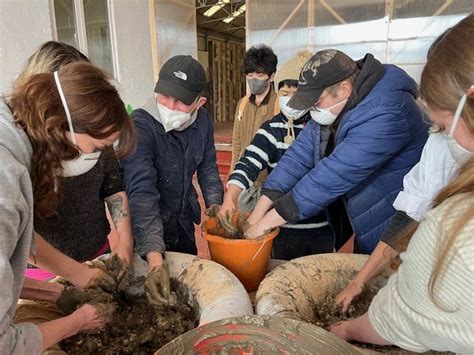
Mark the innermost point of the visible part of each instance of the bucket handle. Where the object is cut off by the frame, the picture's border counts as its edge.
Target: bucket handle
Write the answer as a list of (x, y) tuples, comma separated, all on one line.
[(253, 257)]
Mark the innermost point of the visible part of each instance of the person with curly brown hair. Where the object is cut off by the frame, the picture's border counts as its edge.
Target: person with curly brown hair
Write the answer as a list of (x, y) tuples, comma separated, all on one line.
[(51, 123), (80, 227)]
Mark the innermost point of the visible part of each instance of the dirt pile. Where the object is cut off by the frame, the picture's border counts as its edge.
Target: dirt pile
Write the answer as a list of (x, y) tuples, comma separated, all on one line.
[(137, 327), (328, 313)]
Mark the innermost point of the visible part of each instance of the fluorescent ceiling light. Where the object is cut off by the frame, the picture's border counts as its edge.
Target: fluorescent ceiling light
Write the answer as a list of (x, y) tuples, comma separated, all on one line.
[(213, 9), (236, 13)]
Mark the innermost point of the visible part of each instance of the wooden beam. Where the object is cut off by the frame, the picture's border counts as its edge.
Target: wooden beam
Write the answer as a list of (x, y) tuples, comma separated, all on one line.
[(332, 11), (153, 38), (389, 8), (311, 7), (247, 24), (443, 7), (288, 19), (177, 2)]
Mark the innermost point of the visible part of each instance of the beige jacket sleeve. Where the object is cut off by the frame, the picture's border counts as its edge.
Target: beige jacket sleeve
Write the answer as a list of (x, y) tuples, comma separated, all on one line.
[(236, 144)]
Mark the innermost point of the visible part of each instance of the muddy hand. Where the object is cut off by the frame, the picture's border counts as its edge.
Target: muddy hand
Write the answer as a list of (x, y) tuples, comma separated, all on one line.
[(70, 299), (94, 317), (101, 279), (225, 218), (226, 222), (157, 285), (105, 311), (212, 211), (254, 232), (345, 297), (119, 270)]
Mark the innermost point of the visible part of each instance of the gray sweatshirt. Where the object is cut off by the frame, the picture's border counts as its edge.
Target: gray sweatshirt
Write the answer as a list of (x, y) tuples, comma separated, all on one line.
[(16, 234)]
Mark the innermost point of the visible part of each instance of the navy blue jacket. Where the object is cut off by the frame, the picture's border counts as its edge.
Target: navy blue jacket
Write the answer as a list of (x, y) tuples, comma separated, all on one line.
[(377, 142), (158, 179)]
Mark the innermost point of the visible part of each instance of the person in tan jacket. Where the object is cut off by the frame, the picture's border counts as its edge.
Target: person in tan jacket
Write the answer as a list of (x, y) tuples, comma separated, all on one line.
[(259, 66)]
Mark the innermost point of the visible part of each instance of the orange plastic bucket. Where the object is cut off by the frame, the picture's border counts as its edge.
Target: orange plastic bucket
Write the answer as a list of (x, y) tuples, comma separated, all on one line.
[(245, 258)]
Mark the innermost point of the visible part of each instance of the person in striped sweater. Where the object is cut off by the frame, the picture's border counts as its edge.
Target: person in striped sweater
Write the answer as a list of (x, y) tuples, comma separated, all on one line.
[(312, 235)]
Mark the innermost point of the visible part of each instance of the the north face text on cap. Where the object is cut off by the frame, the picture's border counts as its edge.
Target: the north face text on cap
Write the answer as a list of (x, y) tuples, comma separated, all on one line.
[(181, 75)]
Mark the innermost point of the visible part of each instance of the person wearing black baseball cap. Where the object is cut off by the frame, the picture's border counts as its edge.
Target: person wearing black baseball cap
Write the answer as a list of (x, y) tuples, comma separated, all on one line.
[(366, 133), (175, 140)]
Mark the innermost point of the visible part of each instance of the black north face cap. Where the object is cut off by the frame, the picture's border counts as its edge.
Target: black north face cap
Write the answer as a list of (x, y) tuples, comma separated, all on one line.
[(181, 77), (323, 69)]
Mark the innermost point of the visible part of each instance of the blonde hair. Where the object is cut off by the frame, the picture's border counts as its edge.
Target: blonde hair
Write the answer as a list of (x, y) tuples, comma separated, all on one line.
[(446, 77), (449, 72), (48, 58)]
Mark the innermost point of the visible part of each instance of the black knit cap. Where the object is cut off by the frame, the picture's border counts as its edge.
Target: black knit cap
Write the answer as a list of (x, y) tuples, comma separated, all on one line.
[(323, 69), (181, 77)]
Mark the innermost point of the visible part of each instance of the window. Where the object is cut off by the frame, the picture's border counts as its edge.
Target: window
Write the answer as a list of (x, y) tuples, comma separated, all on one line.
[(84, 24)]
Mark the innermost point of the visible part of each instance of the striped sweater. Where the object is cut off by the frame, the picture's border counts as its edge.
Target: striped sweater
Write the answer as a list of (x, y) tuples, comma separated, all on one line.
[(265, 150), (403, 312)]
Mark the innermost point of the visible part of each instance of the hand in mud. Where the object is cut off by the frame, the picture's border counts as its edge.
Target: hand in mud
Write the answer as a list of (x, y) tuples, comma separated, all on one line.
[(71, 298), (94, 317), (124, 253), (225, 213), (224, 217), (255, 231), (100, 277), (212, 211), (340, 329), (118, 269), (345, 297), (157, 285)]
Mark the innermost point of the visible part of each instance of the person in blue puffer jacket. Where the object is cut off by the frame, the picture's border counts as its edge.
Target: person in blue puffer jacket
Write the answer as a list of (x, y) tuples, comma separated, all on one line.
[(376, 135)]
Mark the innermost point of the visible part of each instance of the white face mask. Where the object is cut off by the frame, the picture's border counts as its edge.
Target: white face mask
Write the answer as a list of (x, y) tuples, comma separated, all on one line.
[(174, 119), (85, 161), (458, 152), (288, 111), (324, 116)]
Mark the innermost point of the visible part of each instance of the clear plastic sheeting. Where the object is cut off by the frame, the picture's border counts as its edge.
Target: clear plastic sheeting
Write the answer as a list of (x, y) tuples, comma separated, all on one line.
[(399, 32), (175, 29)]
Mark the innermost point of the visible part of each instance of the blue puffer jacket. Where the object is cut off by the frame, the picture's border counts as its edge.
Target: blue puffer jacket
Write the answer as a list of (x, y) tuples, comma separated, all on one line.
[(158, 179), (377, 142)]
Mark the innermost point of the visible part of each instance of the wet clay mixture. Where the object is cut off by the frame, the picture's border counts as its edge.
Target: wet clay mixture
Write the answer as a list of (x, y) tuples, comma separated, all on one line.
[(230, 227), (137, 327), (329, 313)]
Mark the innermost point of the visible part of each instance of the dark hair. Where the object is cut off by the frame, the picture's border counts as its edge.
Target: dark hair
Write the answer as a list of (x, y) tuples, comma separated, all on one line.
[(260, 59), (291, 83), (96, 109)]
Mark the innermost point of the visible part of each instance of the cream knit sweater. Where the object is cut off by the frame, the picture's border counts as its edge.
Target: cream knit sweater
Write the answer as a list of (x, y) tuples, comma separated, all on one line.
[(403, 312)]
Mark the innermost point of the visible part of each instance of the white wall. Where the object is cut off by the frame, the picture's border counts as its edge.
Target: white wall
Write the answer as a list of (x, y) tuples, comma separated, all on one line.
[(24, 25), (132, 48)]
